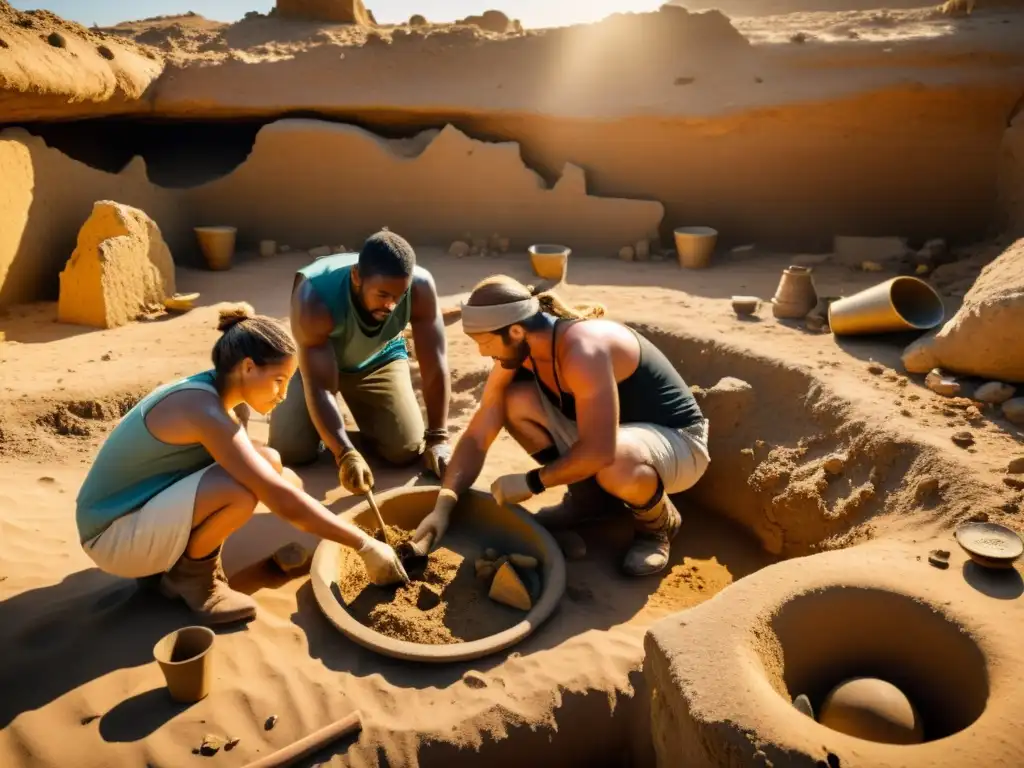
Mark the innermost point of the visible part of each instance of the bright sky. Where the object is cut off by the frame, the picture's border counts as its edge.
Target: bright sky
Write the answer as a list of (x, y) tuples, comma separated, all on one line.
[(532, 13)]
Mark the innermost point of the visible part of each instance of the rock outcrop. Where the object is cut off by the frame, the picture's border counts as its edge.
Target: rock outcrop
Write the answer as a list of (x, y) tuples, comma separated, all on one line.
[(983, 338), (121, 265), (338, 11)]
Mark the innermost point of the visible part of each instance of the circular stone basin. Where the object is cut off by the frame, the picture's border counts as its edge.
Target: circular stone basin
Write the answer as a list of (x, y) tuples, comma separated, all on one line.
[(840, 633), (477, 523)]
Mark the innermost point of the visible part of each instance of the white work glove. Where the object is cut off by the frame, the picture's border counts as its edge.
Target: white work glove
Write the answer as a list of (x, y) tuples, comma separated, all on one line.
[(511, 489), (432, 528), (437, 456), (382, 563)]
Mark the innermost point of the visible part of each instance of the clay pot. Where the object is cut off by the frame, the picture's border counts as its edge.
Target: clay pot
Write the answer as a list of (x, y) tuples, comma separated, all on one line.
[(695, 246), (795, 296), (217, 245), (185, 657), (549, 262)]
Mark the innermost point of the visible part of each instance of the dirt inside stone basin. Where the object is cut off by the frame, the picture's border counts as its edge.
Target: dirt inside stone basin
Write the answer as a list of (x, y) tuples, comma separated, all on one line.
[(443, 603), (783, 403)]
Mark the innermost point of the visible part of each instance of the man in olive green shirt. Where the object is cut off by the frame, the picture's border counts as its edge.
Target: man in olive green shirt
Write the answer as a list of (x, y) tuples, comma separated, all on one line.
[(348, 313)]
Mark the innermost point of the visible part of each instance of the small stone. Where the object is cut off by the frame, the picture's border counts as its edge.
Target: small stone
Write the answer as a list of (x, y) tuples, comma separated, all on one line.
[(474, 679), (926, 487), (626, 253), (963, 439), (834, 465), (271, 722), (939, 558), (523, 561), (1013, 410), (1016, 466), (459, 249), (994, 392), (232, 743), (940, 384), (876, 368), (211, 744), (1014, 482)]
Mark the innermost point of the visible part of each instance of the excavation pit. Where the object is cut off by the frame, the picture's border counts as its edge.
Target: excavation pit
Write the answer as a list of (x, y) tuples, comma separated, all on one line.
[(835, 634)]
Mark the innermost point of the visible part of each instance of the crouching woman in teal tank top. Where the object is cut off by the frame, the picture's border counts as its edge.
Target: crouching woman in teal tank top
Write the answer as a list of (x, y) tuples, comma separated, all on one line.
[(178, 475)]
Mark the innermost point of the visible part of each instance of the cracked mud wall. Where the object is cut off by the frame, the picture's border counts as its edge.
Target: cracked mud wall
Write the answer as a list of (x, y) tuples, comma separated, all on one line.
[(915, 161), (309, 182), (45, 198)]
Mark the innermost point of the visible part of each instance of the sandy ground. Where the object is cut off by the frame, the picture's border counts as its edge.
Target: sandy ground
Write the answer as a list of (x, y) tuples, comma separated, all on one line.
[(77, 660)]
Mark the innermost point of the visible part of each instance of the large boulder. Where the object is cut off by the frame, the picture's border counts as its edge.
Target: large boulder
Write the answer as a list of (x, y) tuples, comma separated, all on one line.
[(983, 337), (337, 11), (120, 266)]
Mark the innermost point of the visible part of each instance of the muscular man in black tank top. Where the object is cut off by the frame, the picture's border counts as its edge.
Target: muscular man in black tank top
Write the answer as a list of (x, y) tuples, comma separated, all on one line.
[(593, 402)]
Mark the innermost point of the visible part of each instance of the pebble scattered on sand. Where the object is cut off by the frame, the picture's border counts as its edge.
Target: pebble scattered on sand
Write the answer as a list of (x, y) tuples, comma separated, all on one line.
[(1016, 466), (963, 439), (270, 723), (834, 465)]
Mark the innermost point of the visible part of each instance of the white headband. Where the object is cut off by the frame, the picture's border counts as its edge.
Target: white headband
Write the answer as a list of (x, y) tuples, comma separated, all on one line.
[(496, 316)]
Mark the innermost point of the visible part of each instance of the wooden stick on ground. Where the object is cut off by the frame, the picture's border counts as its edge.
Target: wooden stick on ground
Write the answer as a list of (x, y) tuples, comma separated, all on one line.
[(310, 744)]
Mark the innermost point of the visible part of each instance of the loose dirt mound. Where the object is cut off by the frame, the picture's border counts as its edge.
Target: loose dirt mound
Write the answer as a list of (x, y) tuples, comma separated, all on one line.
[(984, 337)]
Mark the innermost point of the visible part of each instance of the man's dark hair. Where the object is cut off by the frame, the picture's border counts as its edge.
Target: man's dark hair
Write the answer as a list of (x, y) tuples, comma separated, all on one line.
[(386, 254)]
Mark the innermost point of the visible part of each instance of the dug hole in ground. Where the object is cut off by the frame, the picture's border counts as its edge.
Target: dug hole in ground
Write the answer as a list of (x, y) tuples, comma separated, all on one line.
[(809, 449)]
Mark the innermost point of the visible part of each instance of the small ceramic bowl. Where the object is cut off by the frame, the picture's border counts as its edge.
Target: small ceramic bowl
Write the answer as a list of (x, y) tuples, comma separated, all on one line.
[(989, 544), (745, 305)]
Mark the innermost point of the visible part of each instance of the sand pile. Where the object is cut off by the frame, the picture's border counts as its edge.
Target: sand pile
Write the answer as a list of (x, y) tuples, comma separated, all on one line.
[(443, 604)]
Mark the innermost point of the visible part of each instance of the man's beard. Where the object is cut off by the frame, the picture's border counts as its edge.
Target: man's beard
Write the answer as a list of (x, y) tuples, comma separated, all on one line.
[(521, 352)]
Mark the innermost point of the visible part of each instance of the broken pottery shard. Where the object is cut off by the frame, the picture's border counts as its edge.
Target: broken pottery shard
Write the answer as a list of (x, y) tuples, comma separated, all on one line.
[(994, 392), (508, 588), (120, 266), (802, 704), (939, 558)]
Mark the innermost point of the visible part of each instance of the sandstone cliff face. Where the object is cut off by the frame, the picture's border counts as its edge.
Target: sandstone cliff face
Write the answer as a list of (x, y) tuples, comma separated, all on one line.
[(337, 11), (121, 266)]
